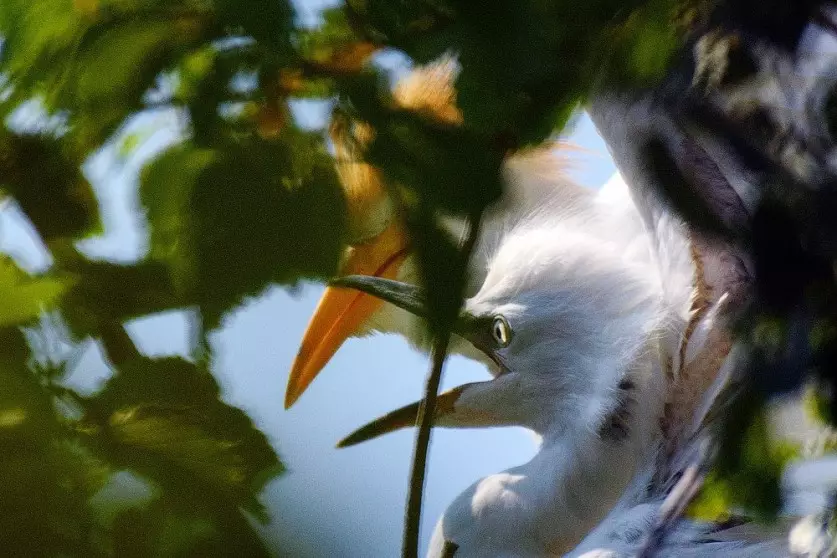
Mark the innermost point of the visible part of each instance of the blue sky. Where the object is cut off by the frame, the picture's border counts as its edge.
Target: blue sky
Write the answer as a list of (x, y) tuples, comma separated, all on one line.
[(331, 502)]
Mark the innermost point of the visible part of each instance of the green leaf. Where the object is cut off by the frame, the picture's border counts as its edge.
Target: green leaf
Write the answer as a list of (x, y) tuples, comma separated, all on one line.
[(748, 470), (131, 54), (47, 478), (526, 64), (268, 21), (94, 61), (37, 36), (106, 293), (25, 297), (334, 32), (446, 166), (233, 220), (177, 526), (165, 420), (48, 185)]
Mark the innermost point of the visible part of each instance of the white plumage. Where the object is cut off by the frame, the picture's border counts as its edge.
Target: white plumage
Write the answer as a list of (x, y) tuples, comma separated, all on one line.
[(579, 286)]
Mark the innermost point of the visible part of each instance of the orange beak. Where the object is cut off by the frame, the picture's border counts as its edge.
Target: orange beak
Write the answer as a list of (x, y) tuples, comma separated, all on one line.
[(341, 312)]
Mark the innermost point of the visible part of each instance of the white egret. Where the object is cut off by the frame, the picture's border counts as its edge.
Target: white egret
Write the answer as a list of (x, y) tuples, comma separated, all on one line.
[(573, 314), (571, 274), (577, 336), (382, 249)]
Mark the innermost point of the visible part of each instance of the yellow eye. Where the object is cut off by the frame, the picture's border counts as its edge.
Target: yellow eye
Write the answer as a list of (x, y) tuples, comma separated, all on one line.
[(501, 331)]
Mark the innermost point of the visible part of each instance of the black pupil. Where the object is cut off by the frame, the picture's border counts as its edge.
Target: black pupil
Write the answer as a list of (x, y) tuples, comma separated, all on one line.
[(499, 332)]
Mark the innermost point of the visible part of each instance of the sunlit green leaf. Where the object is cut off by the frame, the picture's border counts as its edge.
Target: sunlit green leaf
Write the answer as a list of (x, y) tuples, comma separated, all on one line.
[(747, 474), (24, 296), (165, 420)]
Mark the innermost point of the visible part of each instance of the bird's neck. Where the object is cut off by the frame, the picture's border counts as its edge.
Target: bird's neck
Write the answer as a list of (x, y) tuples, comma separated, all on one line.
[(590, 466)]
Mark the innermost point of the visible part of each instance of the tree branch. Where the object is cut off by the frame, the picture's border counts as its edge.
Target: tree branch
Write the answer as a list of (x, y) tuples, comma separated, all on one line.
[(427, 411), (412, 515)]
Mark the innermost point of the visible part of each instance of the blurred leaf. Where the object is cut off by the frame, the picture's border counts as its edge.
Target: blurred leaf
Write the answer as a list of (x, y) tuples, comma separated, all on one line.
[(48, 185), (442, 271), (185, 527), (95, 63), (748, 471), (47, 478), (165, 420), (321, 42), (818, 403), (24, 296), (230, 222), (525, 65), (130, 54), (37, 35), (641, 49), (268, 21), (446, 166), (105, 293)]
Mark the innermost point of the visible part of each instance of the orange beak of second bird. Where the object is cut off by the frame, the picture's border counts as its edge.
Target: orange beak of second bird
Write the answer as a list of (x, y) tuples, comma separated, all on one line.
[(342, 312)]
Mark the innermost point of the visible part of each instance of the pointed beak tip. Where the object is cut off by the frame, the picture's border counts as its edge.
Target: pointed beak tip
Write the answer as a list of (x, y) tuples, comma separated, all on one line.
[(300, 377), (352, 439), (292, 393)]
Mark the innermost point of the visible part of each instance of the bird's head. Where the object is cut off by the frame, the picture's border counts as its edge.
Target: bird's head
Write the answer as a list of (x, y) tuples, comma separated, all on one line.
[(562, 317)]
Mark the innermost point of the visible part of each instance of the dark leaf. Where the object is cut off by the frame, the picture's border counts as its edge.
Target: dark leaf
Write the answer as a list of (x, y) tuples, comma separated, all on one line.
[(106, 293), (47, 478), (268, 21), (231, 221), (442, 270), (185, 527), (48, 185), (445, 166), (165, 420)]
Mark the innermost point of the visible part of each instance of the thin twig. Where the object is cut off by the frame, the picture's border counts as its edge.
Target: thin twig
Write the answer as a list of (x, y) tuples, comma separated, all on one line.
[(412, 515), (427, 411)]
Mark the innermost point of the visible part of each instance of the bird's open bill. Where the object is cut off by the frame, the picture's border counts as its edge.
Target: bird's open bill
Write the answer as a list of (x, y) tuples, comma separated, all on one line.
[(341, 312), (404, 417), (468, 405)]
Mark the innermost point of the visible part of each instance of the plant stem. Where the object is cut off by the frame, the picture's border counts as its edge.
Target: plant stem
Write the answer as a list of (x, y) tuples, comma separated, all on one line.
[(427, 411), (412, 516)]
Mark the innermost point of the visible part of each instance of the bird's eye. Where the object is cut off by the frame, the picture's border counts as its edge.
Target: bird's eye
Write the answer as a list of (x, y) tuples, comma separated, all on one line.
[(501, 331)]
